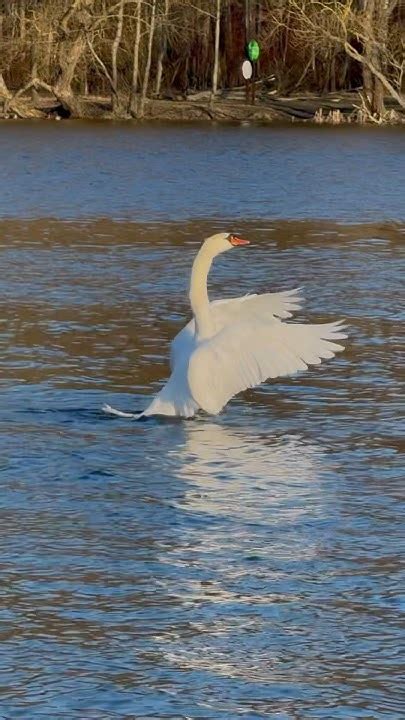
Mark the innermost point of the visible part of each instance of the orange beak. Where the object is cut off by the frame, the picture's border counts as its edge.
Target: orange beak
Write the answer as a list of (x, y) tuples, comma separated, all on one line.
[(235, 240)]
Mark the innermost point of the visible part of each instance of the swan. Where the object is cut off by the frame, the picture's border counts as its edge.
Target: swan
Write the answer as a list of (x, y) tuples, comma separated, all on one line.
[(231, 345)]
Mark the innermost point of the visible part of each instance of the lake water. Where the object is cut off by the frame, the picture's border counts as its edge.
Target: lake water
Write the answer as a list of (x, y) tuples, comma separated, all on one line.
[(243, 566)]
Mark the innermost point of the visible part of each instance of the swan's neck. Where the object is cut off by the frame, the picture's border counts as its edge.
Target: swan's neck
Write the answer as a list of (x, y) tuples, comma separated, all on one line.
[(199, 301)]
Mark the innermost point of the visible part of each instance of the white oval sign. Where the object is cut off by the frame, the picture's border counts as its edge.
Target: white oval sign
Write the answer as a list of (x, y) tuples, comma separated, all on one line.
[(247, 69)]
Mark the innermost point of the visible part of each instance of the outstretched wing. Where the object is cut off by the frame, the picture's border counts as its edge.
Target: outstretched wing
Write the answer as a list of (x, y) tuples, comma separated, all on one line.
[(250, 307), (248, 353), (261, 307)]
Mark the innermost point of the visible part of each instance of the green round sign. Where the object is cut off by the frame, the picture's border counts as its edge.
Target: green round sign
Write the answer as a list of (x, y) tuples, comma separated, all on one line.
[(253, 50)]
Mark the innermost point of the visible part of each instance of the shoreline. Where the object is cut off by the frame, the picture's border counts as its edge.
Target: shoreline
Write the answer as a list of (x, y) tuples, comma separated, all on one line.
[(229, 107)]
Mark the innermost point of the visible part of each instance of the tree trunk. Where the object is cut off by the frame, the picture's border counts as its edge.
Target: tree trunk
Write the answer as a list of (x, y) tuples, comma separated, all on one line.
[(135, 61), (5, 94), (114, 53), (148, 60), (47, 56), (215, 71), (34, 71), (163, 47), (376, 21), (69, 56), (71, 48)]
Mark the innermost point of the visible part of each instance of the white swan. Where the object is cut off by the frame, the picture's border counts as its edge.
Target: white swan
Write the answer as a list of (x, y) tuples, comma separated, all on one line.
[(231, 345)]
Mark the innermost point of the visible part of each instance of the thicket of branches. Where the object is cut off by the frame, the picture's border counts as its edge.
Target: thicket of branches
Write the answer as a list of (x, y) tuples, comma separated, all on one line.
[(132, 50)]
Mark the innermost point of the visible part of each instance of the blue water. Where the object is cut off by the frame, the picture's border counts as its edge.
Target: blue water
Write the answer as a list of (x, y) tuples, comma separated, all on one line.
[(154, 172), (244, 566)]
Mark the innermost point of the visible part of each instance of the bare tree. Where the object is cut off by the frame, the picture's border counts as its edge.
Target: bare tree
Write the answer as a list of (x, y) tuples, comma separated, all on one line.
[(215, 71), (127, 49), (362, 33), (145, 83), (135, 59), (114, 53), (73, 29), (163, 21)]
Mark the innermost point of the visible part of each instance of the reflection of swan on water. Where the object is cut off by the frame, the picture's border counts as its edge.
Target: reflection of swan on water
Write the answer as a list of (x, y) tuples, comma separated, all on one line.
[(247, 474), (251, 502)]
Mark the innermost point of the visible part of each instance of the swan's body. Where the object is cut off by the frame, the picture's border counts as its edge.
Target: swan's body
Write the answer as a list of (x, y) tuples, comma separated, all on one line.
[(231, 345)]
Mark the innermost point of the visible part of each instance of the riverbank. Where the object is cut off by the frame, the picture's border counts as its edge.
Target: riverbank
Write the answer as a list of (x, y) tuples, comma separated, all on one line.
[(229, 106)]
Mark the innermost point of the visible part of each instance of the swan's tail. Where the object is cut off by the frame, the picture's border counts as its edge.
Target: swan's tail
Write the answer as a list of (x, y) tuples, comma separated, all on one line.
[(118, 413)]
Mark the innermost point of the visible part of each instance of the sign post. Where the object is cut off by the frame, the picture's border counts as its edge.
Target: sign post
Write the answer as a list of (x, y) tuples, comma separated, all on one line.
[(252, 51)]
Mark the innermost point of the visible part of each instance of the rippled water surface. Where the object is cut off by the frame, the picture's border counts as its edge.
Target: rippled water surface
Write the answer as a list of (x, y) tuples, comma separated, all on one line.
[(240, 566), (156, 172)]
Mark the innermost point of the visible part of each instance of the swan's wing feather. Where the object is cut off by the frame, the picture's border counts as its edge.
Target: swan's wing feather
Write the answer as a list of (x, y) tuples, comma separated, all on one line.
[(182, 345), (252, 307), (260, 307), (248, 353)]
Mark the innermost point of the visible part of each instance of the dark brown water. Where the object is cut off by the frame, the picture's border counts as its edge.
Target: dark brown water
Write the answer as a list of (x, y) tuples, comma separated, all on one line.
[(241, 566)]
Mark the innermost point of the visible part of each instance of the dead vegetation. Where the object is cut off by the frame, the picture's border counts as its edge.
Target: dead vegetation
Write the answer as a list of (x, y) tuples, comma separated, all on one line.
[(122, 58)]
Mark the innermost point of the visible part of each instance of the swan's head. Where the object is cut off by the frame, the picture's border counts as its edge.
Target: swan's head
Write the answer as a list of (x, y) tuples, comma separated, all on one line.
[(221, 242)]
